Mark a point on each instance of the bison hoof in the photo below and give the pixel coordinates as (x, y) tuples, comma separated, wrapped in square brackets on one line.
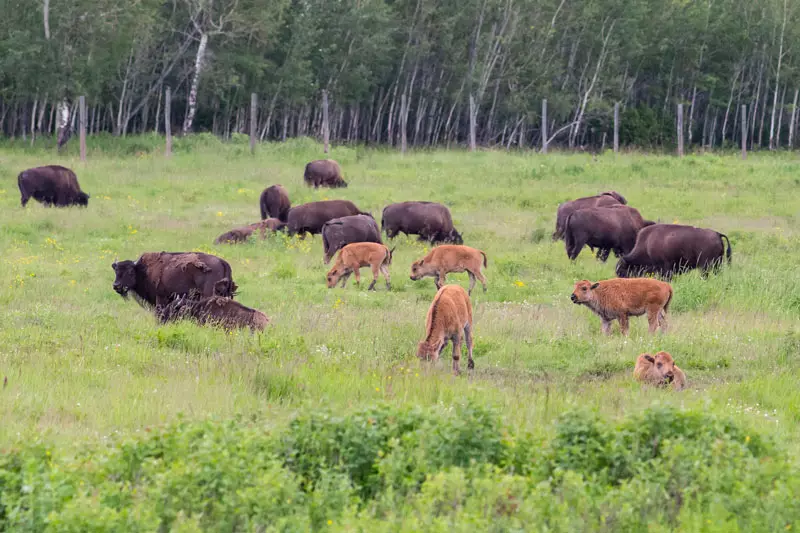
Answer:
[(471, 365)]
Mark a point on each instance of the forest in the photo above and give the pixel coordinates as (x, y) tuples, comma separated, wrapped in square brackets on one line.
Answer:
[(408, 72)]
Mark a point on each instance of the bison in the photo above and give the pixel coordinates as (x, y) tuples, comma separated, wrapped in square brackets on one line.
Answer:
[(339, 232), (451, 258), (51, 185), (216, 310), (324, 173), (156, 278), (667, 249), (606, 228), (242, 234), (360, 254), (659, 370), (275, 203), (311, 217), (429, 220), (567, 208), (618, 299), (450, 314)]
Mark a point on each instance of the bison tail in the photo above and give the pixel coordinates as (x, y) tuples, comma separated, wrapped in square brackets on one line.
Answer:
[(728, 253), (669, 299), (389, 257), (263, 212), (485, 261)]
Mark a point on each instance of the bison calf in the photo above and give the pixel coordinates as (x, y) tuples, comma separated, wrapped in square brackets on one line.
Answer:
[(618, 299), (218, 311), (360, 254), (450, 314), (451, 258), (659, 370)]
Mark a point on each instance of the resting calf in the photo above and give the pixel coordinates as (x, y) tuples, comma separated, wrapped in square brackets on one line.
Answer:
[(659, 370)]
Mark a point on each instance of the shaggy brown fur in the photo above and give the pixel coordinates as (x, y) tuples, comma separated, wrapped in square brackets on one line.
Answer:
[(324, 173), (567, 208), (431, 221), (451, 258), (450, 314), (311, 217), (618, 299), (339, 232), (243, 234), (218, 311), (274, 202), (51, 185), (659, 370), (360, 254)]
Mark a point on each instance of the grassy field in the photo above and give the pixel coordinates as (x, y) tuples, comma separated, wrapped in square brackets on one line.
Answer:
[(87, 369)]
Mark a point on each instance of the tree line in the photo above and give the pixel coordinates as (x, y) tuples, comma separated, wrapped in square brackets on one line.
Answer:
[(421, 72)]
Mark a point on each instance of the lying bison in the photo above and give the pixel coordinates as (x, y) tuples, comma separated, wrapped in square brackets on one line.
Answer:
[(51, 185), (311, 217), (567, 208), (606, 228), (216, 311), (431, 221), (659, 370), (157, 278), (242, 234), (338, 232), (274, 203), (667, 249), (324, 173)]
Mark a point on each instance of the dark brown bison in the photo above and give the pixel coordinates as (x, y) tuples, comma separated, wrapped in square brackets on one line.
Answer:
[(431, 221), (157, 278), (310, 217), (216, 311), (275, 203), (324, 173), (51, 185), (338, 232), (242, 234), (667, 249), (567, 208), (606, 228)]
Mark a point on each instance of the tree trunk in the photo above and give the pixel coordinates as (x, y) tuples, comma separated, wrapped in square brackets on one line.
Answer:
[(63, 124), (792, 122), (191, 102), (777, 80)]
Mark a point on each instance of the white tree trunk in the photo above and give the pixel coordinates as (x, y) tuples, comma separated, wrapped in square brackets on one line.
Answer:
[(792, 122), (46, 14), (777, 81), (191, 104), (63, 123)]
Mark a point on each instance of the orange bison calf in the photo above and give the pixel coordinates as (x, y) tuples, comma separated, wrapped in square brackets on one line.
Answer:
[(659, 370), (621, 298), (360, 254), (451, 258), (450, 314)]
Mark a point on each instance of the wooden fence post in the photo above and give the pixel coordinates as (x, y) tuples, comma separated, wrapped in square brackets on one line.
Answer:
[(253, 116), (82, 126), (616, 127), (680, 130), (544, 126), (744, 131), (167, 120), (325, 124)]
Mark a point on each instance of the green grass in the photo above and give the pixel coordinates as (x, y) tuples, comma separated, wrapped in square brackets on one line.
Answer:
[(85, 367)]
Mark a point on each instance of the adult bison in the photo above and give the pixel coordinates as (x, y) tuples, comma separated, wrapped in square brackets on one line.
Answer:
[(667, 249), (324, 173), (51, 185), (567, 208), (606, 228), (274, 203), (431, 221), (339, 232), (156, 278), (310, 217)]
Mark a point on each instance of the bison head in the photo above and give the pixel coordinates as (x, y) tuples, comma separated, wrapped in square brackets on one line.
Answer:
[(664, 366), (583, 292), (334, 275), (419, 270), (429, 351), (82, 199), (126, 277), (454, 237)]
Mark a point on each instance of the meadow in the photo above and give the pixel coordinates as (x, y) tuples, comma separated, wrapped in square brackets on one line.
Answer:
[(93, 380)]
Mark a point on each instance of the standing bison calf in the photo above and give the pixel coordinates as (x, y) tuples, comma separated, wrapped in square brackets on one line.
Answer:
[(659, 370), (324, 173), (360, 254), (51, 185), (451, 258), (217, 311), (449, 316), (618, 299)]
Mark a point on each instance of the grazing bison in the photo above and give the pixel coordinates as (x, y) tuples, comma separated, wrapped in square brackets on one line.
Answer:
[(450, 314), (429, 220), (311, 217), (51, 185), (659, 370), (324, 173), (618, 299), (242, 234), (217, 311), (360, 254), (667, 249), (156, 278), (567, 208), (275, 203), (451, 258), (606, 228), (339, 232)]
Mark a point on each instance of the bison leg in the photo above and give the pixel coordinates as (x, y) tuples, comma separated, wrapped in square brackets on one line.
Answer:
[(456, 353), (385, 272), (345, 278), (661, 321), (606, 326), (468, 338), (375, 269), (623, 324), (602, 254), (471, 282), (24, 199), (481, 278), (441, 279), (357, 272)]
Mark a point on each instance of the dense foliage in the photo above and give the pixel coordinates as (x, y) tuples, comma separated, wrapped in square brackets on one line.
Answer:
[(409, 70)]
